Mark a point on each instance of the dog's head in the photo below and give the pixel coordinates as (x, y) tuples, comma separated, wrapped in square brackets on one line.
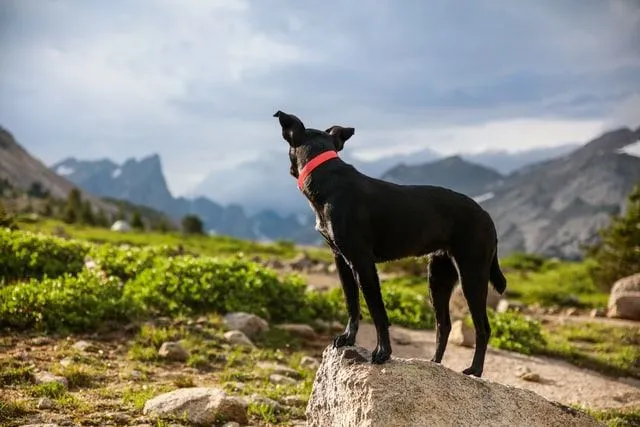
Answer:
[(306, 143)]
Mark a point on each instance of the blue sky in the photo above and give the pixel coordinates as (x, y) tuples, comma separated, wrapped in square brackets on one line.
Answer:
[(198, 81)]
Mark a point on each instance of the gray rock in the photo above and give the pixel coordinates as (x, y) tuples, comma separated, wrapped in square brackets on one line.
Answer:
[(414, 392), (279, 369), (44, 377), (279, 379), (172, 350), (262, 400), (85, 346), (299, 330), (624, 299), (66, 362), (238, 338), (45, 403), (458, 303), (231, 424), (309, 362), (294, 400), (462, 334), (250, 324), (199, 405)]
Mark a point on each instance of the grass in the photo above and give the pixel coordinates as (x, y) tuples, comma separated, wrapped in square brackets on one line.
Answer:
[(626, 417), (13, 410), (611, 350), (13, 372), (202, 245)]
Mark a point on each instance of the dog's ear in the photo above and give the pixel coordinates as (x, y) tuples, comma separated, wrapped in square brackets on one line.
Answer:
[(293, 130), (340, 135)]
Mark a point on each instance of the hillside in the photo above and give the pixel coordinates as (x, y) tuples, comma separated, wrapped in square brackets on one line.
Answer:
[(452, 172), (553, 207), (21, 171)]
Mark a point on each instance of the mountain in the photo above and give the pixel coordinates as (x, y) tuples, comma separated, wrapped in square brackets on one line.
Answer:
[(143, 182), (451, 172), (21, 170), (265, 184), (554, 206)]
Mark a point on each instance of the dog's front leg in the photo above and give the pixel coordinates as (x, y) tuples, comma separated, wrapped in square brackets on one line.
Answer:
[(350, 289), (367, 278)]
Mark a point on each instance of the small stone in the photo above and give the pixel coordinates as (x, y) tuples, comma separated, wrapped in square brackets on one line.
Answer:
[(571, 311), (238, 338), (300, 330), (45, 403), (597, 312), (172, 350), (336, 326), (250, 324), (85, 346), (279, 369), (401, 338), (281, 379), (231, 424), (44, 377), (294, 400), (120, 418), (40, 341), (66, 362), (309, 362), (261, 400), (531, 376), (462, 334)]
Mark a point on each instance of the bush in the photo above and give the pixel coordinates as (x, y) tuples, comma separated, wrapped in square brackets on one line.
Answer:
[(514, 332), (25, 255), (187, 285), (192, 224), (126, 262), (617, 253), (69, 303)]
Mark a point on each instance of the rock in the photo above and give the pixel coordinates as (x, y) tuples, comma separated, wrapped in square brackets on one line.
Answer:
[(172, 350), (261, 400), (597, 312), (299, 330), (198, 405), (231, 424), (85, 346), (40, 341), (250, 324), (531, 376), (66, 362), (462, 334), (506, 305), (414, 392), (401, 338), (40, 425), (238, 338), (624, 299), (45, 403), (309, 362), (279, 369), (572, 311), (458, 303), (294, 400), (44, 377), (302, 262), (279, 379)]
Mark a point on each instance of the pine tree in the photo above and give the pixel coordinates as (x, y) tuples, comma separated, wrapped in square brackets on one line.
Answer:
[(73, 209), (192, 224), (136, 221), (617, 252), (86, 214)]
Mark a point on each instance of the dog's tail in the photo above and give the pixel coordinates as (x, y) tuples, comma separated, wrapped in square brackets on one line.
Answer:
[(496, 277)]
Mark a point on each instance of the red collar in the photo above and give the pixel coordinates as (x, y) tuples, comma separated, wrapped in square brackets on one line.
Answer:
[(314, 163)]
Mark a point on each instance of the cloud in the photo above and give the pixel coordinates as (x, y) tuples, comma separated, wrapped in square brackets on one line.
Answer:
[(197, 81)]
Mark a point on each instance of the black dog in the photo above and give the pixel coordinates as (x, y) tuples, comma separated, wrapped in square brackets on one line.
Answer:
[(366, 220)]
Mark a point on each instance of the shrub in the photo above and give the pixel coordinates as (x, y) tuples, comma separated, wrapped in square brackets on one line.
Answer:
[(126, 262), (192, 224), (72, 303), (617, 253), (27, 255), (187, 285), (514, 332)]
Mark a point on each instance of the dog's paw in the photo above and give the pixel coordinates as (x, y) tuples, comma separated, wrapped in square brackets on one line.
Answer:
[(380, 355), (472, 371), (435, 360), (344, 340)]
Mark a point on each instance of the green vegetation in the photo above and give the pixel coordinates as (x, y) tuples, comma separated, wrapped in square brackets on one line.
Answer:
[(514, 332), (12, 410), (192, 224), (617, 253), (628, 417)]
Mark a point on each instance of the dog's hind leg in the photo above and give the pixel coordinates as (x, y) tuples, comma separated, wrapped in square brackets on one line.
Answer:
[(474, 278), (350, 289), (442, 278)]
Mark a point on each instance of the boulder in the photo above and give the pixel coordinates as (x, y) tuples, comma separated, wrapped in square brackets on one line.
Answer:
[(624, 299), (172, 350), (250, 324), (458, 303), (299, 330), (349, 391), (462, 334), (238, 338), (44, 377), (198, 405)]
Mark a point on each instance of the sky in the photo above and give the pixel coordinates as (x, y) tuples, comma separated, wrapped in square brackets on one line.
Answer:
[(198, 81)]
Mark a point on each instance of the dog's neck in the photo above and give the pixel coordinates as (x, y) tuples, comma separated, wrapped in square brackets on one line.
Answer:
[(312, 164)]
